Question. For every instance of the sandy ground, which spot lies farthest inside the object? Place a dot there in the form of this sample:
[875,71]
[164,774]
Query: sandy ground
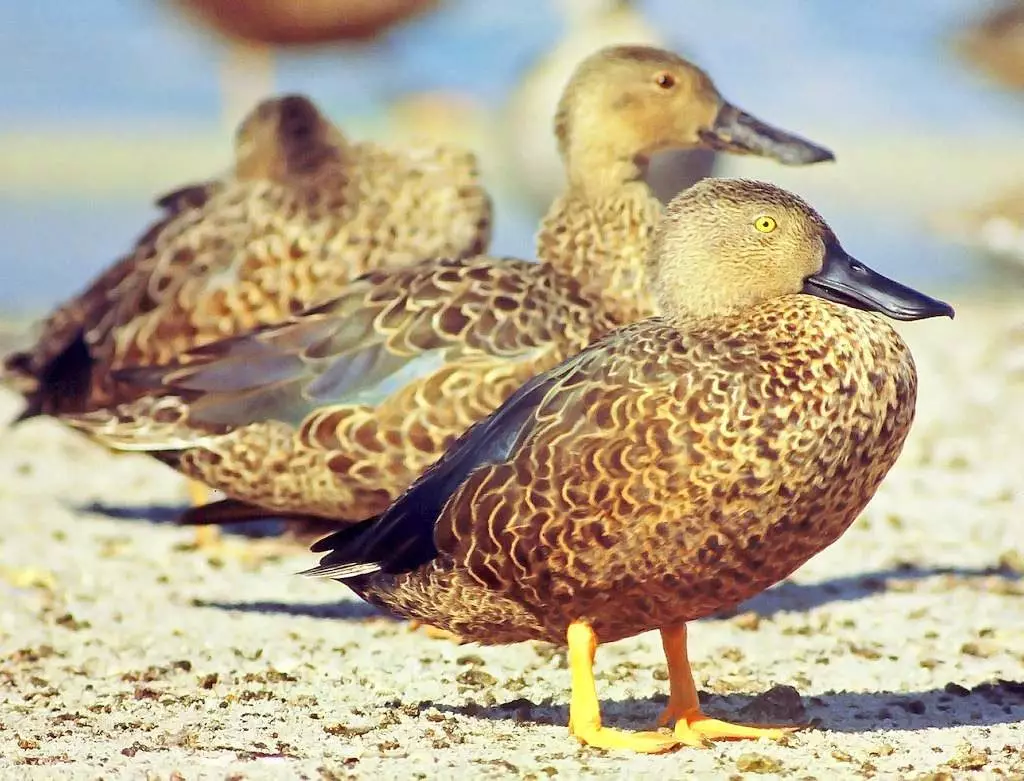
[125,652]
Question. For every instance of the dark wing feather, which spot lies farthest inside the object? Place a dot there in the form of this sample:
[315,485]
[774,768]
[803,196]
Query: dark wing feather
[402,538]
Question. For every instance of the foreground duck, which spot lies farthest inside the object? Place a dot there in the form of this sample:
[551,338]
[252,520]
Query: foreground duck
[671,470]
[303,212]
[336,412]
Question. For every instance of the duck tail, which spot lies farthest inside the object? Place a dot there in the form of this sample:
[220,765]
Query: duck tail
[53,385]
[342,548]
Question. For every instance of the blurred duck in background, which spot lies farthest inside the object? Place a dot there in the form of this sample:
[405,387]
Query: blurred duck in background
[994,44]
[252,28]
[302,22]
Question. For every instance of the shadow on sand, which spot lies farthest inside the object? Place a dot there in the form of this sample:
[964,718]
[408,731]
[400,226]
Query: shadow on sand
[1001,702]
[786,597]
[168,514]
[797,597]
[349,610]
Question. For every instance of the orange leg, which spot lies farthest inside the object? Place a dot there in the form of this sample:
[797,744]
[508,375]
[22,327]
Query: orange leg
[206,536]
[692,727]
[585,711]
[210,541]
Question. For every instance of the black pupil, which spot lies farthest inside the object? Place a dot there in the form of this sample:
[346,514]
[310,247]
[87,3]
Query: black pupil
[665,80]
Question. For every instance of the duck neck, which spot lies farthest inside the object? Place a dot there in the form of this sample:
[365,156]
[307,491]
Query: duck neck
[322,171]
[599,233]
[597,170]
[317,161]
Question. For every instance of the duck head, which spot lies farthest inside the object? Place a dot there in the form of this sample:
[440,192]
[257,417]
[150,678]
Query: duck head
[624,103]
[285,137]
[728,244]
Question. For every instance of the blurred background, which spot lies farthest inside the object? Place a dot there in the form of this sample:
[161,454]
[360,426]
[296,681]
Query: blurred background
[104,105]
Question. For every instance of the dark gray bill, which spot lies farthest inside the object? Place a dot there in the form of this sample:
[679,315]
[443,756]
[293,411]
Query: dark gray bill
[738,132]
[845,280]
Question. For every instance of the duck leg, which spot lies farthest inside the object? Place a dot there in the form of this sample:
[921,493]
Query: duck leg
[584,710]
[206,536]
[692,727]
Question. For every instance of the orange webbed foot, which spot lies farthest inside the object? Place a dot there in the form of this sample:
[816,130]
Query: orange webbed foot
[620,740]
[694,728]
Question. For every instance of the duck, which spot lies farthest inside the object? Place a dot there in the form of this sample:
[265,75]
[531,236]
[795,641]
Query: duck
[303,212]
[994,44]
[671,470]
[333,414]
[532,161]
[302,25]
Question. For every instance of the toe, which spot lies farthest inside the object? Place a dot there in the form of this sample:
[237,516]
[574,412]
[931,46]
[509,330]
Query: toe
[619,740]
[700,727]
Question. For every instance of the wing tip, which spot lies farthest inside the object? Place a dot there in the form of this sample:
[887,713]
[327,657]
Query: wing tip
[342,571]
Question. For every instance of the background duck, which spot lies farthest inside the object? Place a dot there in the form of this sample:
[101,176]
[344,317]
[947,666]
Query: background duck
[994,44]
[673,469]
[534,159]
[302,213]
[303,23]
[334,413]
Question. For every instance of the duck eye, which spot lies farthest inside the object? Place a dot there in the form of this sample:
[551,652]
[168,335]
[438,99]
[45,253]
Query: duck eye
[665,80]
[765,224]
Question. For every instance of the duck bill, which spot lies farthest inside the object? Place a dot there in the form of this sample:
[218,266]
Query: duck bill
[847,281]
[738,132]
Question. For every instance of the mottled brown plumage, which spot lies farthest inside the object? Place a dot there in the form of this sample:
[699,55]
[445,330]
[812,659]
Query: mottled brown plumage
[303,212]
[676,467]
[336,412]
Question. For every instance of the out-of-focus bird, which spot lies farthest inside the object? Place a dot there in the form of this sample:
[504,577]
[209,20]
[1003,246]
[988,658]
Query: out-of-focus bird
[995,44]
[302,22]
[253,29]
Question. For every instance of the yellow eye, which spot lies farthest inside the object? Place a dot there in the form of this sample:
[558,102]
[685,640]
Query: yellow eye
[765,224]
